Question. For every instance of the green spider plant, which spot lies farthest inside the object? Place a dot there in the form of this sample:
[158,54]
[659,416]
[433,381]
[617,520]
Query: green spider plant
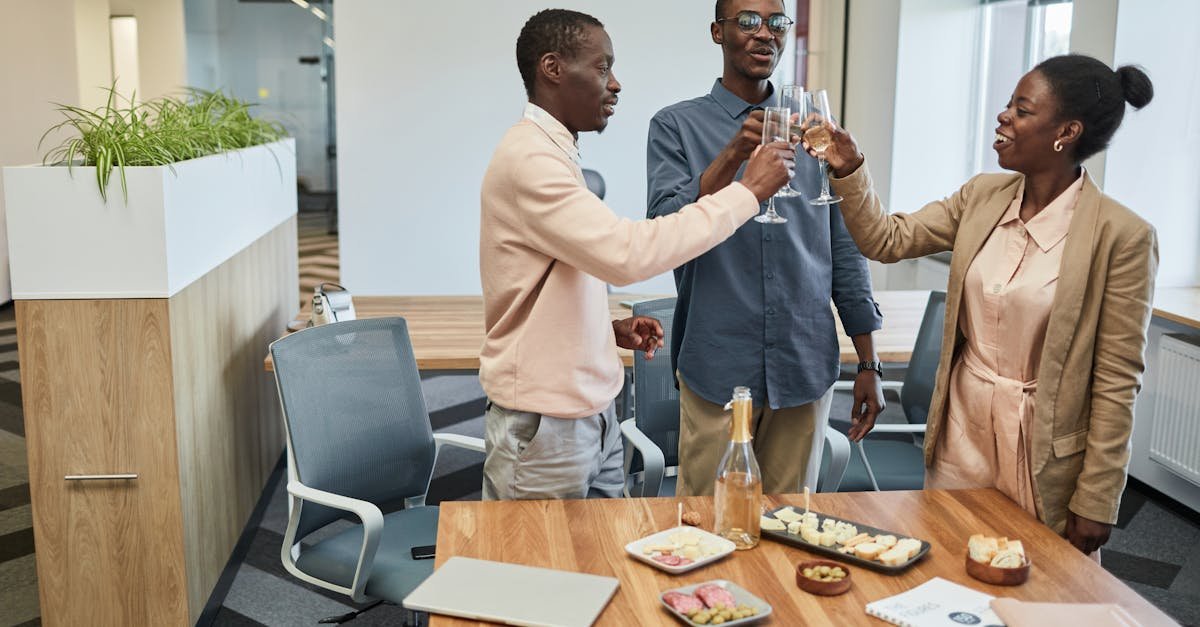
[158,132]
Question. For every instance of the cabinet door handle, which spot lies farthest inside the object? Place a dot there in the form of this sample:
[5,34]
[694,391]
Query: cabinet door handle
[127,476]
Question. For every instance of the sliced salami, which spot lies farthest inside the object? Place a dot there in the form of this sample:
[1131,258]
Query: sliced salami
[682,603]
[713,594]
[669,560]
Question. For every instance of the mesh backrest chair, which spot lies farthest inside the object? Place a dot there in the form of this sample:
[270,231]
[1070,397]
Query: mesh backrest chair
[898,464]
[594,182]
[652,457]
[358,441]
[655,410]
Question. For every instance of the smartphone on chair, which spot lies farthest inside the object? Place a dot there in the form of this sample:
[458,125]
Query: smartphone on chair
[423,552]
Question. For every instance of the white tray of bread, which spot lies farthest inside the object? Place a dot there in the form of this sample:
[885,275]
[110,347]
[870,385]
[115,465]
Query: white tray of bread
[845,540]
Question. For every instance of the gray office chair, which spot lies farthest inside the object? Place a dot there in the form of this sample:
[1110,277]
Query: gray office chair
[594,182]
[358,440]
[899,464]
[652,457]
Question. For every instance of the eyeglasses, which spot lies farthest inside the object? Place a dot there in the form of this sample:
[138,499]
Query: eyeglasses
[750,22]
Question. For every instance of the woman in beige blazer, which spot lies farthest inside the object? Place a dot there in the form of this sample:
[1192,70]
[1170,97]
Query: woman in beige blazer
[1047,305]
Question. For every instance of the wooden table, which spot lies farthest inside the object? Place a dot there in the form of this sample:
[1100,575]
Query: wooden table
[447,331]
[1178,304]
[589,536]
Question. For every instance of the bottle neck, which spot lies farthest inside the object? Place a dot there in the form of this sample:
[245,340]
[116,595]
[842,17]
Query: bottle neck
[740,430]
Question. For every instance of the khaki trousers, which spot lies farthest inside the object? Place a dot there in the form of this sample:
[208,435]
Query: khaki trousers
[531,456]
[788,443]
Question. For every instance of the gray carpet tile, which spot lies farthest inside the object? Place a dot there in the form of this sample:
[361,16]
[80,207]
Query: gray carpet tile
[1156,533]
[12,418]
[229,618]
[1187,580]
[16,544]
[15,519]
[447,390]
[1184,607]
[14,496]
[14,466]
[18,591]
[271,600]
[275,517]
[1142,570]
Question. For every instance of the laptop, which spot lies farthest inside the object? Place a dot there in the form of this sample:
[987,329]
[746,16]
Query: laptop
[513,594]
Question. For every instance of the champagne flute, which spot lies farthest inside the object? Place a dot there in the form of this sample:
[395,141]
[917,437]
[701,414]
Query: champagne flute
[817,134]
[775,129]
[791,97]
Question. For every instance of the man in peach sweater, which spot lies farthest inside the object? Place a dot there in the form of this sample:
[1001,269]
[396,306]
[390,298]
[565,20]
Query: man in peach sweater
[549,363]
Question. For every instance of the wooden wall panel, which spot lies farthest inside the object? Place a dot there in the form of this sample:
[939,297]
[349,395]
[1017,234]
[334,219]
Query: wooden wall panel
[97,390]
[229,426]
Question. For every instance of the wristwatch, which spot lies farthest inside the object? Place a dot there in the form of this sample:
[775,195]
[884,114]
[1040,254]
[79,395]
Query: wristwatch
[871,365]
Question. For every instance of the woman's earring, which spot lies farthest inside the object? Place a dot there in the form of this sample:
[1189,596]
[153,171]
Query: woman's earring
[1058,145]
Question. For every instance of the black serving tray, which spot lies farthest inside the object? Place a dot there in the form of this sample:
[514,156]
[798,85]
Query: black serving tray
[832,552]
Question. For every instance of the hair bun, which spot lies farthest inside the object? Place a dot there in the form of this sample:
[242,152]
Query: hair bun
[1135,85]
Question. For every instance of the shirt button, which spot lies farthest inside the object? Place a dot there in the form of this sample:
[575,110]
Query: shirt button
[767,237]
[770,346]
[770,275]
[996,288]
[770,311]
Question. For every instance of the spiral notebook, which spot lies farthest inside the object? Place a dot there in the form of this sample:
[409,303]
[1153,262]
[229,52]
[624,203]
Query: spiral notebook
[936,603]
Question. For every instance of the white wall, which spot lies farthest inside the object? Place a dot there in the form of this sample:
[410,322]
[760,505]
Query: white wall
[30,83]
[1153,160]
[162,60]
[421,109]
[1094,33]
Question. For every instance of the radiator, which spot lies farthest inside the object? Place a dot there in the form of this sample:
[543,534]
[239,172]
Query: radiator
[1175,432]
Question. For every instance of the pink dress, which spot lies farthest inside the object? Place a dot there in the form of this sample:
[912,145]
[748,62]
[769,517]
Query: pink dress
[1007,297]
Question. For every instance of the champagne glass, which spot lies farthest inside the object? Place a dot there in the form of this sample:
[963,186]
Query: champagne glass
[791,97]
[775,129]
[817,120]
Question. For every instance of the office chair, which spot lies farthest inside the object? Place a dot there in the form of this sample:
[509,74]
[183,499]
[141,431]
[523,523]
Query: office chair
[358,440]
[595,182]
[899,464]
[652,459]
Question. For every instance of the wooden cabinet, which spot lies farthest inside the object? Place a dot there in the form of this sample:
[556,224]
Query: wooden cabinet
[170,390]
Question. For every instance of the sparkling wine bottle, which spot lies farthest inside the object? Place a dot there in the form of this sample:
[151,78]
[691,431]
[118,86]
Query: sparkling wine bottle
[739,481]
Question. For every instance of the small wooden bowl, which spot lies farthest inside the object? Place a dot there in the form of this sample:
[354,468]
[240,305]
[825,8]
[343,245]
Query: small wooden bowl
[998,576]
[823,588]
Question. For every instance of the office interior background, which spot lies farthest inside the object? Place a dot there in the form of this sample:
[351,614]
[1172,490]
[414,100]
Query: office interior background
[395,107]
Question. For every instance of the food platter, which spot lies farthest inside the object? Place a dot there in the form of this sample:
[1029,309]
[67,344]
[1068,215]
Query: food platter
[837,549]
[741,598]
[691,548]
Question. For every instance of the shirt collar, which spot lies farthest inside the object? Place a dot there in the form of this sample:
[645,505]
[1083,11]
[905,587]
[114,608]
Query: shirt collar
[554,129]
[733,104]
[1051,224]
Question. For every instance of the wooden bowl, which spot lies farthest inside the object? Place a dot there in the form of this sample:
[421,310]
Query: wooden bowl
[823,588]
[998,576]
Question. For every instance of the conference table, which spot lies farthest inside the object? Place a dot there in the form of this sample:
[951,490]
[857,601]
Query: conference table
[589,536]
[447,331]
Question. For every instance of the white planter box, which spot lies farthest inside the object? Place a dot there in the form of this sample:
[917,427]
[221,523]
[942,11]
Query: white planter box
[66,242]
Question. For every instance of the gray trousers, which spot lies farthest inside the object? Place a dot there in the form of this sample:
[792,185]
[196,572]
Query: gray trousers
[532,456]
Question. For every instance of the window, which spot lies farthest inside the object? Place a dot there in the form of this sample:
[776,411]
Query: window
[1015,35]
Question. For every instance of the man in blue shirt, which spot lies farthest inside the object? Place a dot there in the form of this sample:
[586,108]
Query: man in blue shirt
[755,310]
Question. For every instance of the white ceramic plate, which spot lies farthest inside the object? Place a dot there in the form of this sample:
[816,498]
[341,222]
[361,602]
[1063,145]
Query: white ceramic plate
[663,538]
[740,596]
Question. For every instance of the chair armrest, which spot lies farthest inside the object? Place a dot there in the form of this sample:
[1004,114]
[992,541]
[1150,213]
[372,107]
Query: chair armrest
[459,441]
[653,460]
[898,428]
[839,458]
[372,524]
